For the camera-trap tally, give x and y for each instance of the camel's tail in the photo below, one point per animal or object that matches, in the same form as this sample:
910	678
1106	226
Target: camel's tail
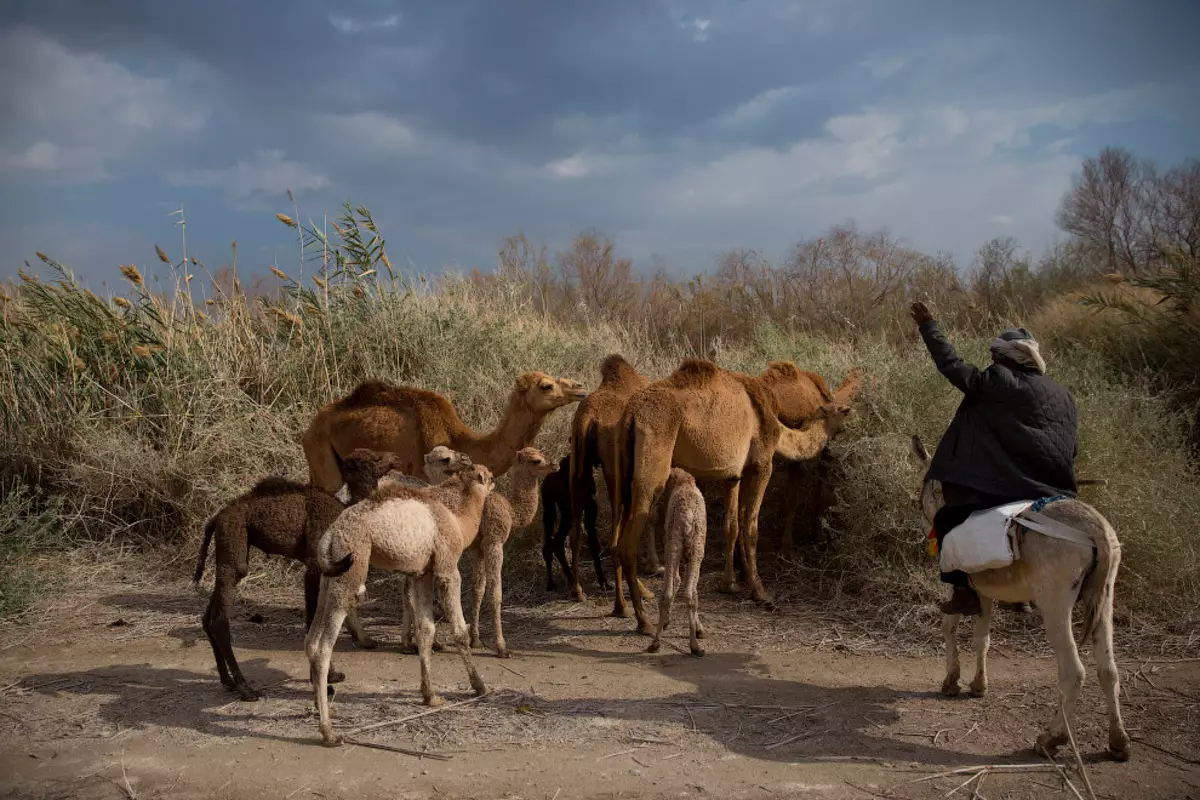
210	527
582	458
623	477
324	464
1096	593
328	561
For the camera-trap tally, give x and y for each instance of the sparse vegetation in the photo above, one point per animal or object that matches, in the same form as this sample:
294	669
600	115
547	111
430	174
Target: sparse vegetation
138	415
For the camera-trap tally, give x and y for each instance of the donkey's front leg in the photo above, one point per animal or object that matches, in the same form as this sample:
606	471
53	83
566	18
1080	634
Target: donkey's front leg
949	631
982	640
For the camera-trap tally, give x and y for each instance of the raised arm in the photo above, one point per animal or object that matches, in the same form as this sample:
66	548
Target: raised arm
965	377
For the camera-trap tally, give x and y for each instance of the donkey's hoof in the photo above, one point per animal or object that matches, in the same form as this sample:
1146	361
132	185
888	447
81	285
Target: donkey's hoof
1047	745
978	688
503	652
950	687
578	596
331	740
698	651
478	686
1118	748
654	646
434	700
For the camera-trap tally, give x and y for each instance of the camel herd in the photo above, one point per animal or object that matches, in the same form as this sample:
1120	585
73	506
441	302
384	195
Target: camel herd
421	492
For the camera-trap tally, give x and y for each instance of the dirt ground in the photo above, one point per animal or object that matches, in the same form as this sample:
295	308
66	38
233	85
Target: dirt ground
113	693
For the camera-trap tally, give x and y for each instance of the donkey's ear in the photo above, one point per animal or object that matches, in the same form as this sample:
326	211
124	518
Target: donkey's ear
918	449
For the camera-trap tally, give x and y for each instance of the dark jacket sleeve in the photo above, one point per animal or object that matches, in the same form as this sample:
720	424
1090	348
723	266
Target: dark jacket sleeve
967	378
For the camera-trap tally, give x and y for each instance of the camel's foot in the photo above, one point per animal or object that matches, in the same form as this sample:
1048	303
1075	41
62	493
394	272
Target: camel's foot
766	603
645	629
950	687
550	587
654	646
336	676
697	651
1118	746
478	686
409	649
603	583
330	739
577	594
246	693
728	587
978	687
1048	744
475	640
366	643
656	569
503	652
622	612
433	700
701	634
437	647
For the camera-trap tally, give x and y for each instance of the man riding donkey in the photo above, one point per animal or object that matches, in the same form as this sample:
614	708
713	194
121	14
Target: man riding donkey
1013	437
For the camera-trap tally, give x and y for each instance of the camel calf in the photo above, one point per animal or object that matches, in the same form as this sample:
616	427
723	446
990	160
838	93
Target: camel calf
418	532
284	518
684	539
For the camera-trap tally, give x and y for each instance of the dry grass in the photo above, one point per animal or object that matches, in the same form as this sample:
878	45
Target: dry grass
139	415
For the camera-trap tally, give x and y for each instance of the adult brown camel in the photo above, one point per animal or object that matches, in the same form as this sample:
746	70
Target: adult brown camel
715	424
410	422
594	442
798	394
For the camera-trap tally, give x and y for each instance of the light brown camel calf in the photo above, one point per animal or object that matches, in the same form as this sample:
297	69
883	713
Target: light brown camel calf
683	540
716	424
410	422
1055	574
419	532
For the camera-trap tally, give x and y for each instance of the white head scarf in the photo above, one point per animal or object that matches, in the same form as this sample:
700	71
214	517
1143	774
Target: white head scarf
1017	345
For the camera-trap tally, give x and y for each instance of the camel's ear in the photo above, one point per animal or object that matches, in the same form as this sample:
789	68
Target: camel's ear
526	381
918	449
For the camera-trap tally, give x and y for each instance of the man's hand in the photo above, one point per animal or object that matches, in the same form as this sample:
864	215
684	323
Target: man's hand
920	313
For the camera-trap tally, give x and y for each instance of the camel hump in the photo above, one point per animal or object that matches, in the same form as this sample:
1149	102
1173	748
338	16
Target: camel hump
371	392
273	485
694	372
822	386
782	370
615	369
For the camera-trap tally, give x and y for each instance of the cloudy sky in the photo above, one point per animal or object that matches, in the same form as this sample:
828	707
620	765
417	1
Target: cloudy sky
680	129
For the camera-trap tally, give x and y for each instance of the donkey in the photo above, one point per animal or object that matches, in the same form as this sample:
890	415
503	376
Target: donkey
1054	573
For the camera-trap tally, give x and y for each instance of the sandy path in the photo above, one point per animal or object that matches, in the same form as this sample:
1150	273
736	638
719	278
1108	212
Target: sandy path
784	709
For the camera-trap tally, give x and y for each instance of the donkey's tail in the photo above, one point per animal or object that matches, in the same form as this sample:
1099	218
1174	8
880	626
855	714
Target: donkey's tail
1096	593
209	528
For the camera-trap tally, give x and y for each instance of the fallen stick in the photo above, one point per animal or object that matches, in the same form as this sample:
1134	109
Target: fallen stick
1087	782
995	768
387	723
621	753
391	748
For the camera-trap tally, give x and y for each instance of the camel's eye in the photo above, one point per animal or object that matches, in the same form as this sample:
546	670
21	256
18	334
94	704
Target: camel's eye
547	387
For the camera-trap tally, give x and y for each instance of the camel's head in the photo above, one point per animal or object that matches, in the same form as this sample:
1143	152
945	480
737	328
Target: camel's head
441	462
363	468
834	415
478	479
531	460
543	393
930	493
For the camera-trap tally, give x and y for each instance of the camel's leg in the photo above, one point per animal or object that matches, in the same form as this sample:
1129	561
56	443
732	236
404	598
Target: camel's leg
1110	681
754	487
728	583
549	513
949	635
580	491
560	550
670	587
982	640
361	639
691	593
651	541
408	621
591	513
318	644
420	597
479	577
650	476
494	567
795	480
451	585
312	593
1056	614
216	626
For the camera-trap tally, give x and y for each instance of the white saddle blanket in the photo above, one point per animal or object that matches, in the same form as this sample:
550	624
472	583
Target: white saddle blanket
983	541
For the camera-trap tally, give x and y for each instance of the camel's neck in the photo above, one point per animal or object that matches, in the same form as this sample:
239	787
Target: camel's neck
498	449
465	506
806	443
523	497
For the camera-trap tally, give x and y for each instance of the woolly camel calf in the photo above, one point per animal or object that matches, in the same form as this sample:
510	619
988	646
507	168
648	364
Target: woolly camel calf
500	515
1054	574
715	424
557	511
419	532
798	395
284	518
410	422
684	537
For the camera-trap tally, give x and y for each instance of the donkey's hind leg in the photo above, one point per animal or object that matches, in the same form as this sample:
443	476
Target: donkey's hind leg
950	636
982	640
1110	681
1056	614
